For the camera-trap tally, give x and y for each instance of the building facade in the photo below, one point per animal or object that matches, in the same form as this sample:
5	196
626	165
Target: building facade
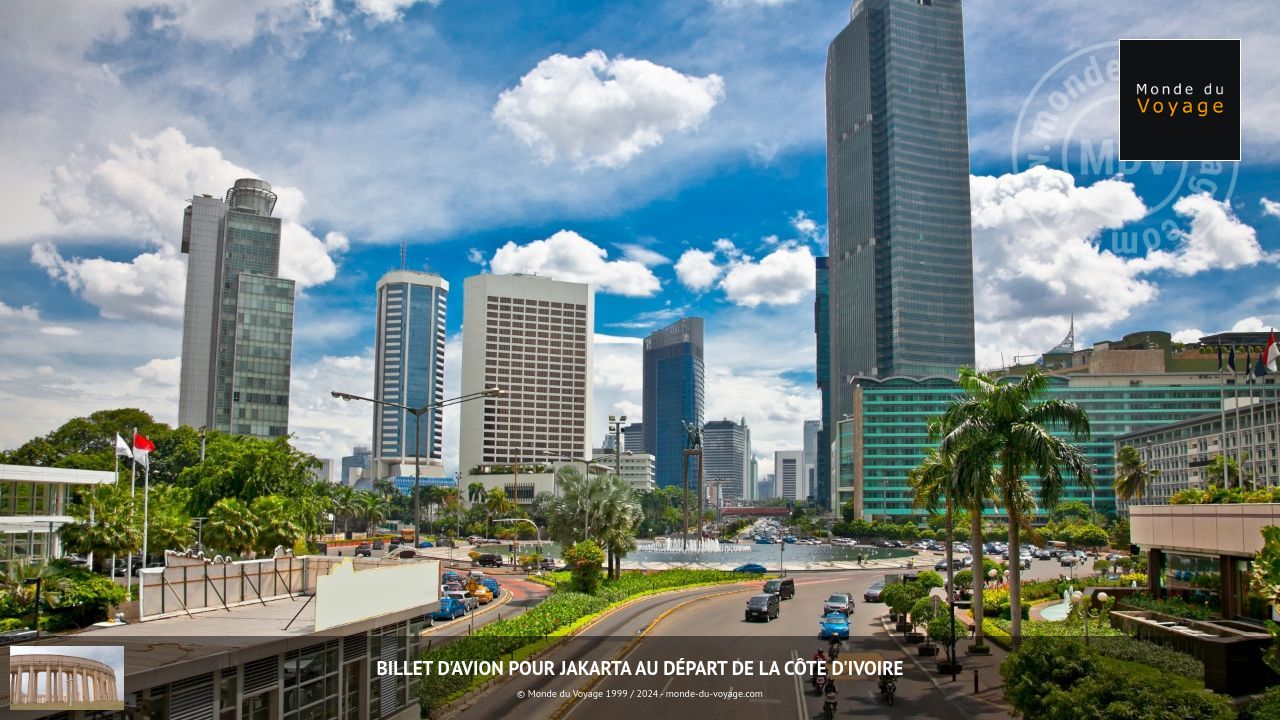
237	328
812	428
633	437
726	448
409	369
638	469
751	492
33	507
673	395
900	267
530	336
788	474
822	329
357	466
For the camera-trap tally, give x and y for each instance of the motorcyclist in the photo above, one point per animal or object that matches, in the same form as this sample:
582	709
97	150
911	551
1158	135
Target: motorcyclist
830	699
833	650
818	657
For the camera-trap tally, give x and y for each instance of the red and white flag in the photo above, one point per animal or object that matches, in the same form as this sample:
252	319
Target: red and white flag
1270	353
142	448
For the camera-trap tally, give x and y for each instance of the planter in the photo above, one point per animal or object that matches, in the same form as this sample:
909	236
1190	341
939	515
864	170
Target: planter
979	650
927	650
946	668
902	626
893	616
915	638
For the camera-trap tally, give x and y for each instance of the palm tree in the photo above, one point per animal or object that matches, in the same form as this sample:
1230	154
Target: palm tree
934	481
1132	473
1007	427
373	507
277	526
342	503
476	492
113	531
620	514
231	526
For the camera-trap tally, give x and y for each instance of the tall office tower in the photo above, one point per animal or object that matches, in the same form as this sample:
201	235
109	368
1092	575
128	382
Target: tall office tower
409	369
237	324
753	486
531	337
768	488
822	328
633	438
726	445
788	469
811	430
900	265
673	395
356	465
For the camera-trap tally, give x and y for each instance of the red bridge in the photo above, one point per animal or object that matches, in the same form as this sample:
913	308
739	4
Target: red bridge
755	511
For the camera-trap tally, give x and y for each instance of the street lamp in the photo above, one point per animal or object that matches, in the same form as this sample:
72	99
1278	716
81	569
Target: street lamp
991	575
37	581
536	529
417	439
615	427
1087	611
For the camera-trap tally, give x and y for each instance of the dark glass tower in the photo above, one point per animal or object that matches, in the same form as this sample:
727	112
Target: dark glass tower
822	328
901	263
673	394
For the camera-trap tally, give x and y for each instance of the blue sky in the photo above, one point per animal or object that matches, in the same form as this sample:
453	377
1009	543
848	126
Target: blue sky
671	153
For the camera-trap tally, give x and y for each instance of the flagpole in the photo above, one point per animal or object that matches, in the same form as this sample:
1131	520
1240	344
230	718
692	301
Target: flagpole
1235	394
146	517
133	487
1222	419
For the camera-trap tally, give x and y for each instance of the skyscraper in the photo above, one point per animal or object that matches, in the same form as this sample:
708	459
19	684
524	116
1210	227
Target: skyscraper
811	430
409	367
788	465
673	395
531	337
726	446
633	437
237	324
356	466
822	328
900	267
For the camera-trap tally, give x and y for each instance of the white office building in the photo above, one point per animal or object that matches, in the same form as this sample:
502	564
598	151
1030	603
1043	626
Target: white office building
531	337
33	507
788	470
638	469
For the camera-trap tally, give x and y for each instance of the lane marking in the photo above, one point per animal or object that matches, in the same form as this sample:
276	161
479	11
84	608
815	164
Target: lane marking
800	711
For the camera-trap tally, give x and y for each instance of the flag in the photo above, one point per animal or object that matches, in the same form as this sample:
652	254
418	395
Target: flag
122	447
142	448
1270	353
1219	358
1248	364
1231	365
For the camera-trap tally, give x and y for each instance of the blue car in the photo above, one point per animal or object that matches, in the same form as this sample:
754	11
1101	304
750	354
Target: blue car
762	540
451	576
492	585
449	609
789	539
426	544
833	625
751	568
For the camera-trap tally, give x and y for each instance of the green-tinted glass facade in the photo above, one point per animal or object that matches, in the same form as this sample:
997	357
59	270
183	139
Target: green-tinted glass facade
822	328
263	345
894	414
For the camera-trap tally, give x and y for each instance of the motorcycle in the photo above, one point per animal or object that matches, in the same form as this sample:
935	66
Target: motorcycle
819	682
888	686
829	706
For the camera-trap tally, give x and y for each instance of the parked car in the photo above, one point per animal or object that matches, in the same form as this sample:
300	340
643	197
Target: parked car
833	625
465	598
1043	554
489	560
838	602
137	567
784	587
1068	560
364	550
765	605
956	564
751	568
874	592
450	609
377	545
426	544
547	564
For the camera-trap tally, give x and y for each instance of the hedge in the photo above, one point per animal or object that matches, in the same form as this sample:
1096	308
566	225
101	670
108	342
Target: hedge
1170	606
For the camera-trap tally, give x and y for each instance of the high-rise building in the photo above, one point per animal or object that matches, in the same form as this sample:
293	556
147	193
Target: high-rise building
900	266
752	491
811	430
726	446
633	437
822	328
788	470
356	466
237	324
767	488
529	336
636	468
409	370
673	395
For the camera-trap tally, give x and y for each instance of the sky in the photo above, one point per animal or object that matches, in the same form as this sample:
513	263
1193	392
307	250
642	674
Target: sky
669	153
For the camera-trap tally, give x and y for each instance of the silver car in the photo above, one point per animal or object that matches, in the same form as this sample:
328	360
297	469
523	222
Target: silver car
469	601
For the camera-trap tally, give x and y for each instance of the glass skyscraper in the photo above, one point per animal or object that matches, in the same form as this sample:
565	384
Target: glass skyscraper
409	364
900	266
673	394
822	328
237	332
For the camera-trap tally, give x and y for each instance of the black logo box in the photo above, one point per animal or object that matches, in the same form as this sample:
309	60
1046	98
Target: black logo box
1187	68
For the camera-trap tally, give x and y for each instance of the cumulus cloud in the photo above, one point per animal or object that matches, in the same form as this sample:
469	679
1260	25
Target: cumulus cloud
26	312
138	191
475	256
596	111
1270	207
567	255
697	270
161	371
782	277
1217	240
644	255
1189	335
807	228
1249	324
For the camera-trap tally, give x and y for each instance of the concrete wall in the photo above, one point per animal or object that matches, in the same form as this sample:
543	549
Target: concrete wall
1205	529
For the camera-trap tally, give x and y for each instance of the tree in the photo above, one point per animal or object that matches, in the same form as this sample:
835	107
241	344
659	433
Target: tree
231	527
476	493
584	560
113	531
276	523
1006	426
1265	583
169	526
619	517
1088	535
1214	471
1119	534
373	508
1071	511
1132	474
342	503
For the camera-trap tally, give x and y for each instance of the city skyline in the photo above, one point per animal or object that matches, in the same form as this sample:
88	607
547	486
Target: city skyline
713	204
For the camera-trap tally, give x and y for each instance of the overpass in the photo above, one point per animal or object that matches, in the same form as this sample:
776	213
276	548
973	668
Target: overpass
754	511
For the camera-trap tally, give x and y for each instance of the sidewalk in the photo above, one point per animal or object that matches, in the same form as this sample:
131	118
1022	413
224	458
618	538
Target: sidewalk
988	703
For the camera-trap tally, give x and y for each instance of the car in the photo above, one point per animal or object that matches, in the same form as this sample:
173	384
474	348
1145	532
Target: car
1068	560
364	550
833	625
764	605
489	560
138	567
450	609
451	576
784	587
481	593
75	559
377	545
1043	554
956	564
762	540
756	568
840	602
492	585
451	587
874	592
547	564
465	598
426	544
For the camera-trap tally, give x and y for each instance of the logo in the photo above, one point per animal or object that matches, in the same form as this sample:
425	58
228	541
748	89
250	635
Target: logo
1180	99
1068	121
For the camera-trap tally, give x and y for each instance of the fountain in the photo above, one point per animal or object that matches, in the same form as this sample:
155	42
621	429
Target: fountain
1059	612
696	545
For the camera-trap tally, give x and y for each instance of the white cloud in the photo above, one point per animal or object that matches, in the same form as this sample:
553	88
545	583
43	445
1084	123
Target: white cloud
59	331
737	4
1270	207
475	256
384	11
26	312
595	111
807	228
1189	335
644	255
1217	240
567	255
321	424
697	270
653	319
160	371
782	277
1250	324
138	192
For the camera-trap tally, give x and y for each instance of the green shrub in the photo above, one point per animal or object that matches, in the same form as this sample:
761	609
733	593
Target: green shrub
584	561
11	623
1150	654
1169	606
1124	697
1041	667
921	612
940	628
929	579
1263	707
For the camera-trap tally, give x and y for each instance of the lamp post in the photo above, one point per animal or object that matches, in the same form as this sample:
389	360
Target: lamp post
991	575
417	450
615	427
37	581
1087	611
